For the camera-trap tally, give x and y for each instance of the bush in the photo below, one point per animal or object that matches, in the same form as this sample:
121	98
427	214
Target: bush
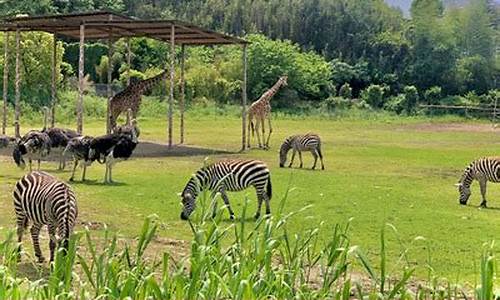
433	95
396	104
345	91
411	98
373	96
332	103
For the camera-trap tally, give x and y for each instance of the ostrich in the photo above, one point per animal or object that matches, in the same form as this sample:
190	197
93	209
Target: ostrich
5	141
112	148
79	148
34	145
59	138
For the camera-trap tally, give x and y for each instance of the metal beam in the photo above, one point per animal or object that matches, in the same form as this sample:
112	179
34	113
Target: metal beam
172	83
81	60
17	113
54	87
5	80
244	100
182	92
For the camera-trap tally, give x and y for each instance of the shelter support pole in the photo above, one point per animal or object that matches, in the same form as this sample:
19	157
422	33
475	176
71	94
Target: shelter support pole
54	88
129	55
5	81
172	83
244	100
109	87
17	104
79	105
182	92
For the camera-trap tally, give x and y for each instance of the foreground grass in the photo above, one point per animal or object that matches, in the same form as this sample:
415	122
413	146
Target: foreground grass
395	171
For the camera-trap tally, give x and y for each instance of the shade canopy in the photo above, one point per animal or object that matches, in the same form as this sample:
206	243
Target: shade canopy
102	24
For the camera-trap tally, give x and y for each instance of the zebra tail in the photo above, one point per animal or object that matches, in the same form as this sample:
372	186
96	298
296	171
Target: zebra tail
269	190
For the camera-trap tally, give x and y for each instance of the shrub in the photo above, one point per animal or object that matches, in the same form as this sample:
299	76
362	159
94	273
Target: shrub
345	91
433	95
332	103
373	96
411	98
396	104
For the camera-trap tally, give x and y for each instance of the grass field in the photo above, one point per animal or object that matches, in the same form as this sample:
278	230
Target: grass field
378	170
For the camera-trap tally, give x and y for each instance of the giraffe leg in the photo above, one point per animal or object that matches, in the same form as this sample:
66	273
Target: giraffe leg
315	155
300	158
248	131
270	131
263	133
293	158
35	236
257	127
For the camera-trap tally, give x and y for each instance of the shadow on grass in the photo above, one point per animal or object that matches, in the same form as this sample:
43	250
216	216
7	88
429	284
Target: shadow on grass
97	183
33	271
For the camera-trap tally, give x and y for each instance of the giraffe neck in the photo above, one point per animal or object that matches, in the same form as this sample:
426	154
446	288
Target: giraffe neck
147	84
266	97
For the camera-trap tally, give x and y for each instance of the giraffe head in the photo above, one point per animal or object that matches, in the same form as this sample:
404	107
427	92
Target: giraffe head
284	80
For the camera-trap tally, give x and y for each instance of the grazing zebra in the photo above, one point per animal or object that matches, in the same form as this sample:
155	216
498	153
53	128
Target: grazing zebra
44	200
483	170
229	175
307	142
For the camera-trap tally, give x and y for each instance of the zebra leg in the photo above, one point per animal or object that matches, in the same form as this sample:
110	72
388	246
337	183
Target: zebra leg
226	202
74	169
315	155
268	205
293	158
260	198
321	158
35	235
300	158
482	185
52	242
22	224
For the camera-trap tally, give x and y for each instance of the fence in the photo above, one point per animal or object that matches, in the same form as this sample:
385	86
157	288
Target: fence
485	111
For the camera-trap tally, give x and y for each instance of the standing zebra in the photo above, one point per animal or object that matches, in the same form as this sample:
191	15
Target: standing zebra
44	200
229	175
307	142
483	170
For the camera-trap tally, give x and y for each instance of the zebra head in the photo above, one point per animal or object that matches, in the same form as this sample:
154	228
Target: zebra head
189	197
285	147
464	193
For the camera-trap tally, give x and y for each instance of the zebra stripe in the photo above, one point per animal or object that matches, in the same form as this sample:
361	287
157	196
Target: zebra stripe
42	199
298	143
229	175
483	170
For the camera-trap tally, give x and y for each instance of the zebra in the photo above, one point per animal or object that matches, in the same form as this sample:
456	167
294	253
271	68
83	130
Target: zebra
483	170
42	199
307	142
228	175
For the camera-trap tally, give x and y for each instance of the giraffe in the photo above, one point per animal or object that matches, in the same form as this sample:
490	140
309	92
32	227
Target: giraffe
130	97
260	110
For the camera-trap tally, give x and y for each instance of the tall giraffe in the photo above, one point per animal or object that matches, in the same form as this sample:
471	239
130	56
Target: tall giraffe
130	97
260	110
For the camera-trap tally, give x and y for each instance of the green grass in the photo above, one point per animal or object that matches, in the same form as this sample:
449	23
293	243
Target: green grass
378	170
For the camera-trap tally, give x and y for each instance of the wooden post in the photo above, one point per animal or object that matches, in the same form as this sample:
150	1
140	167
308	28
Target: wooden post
244	100
129	55
17	84
109	87
182	92
172	83
79	105
495	112
5	80
54	91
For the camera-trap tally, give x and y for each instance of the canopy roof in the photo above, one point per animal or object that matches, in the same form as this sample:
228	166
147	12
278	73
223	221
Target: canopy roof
103	24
